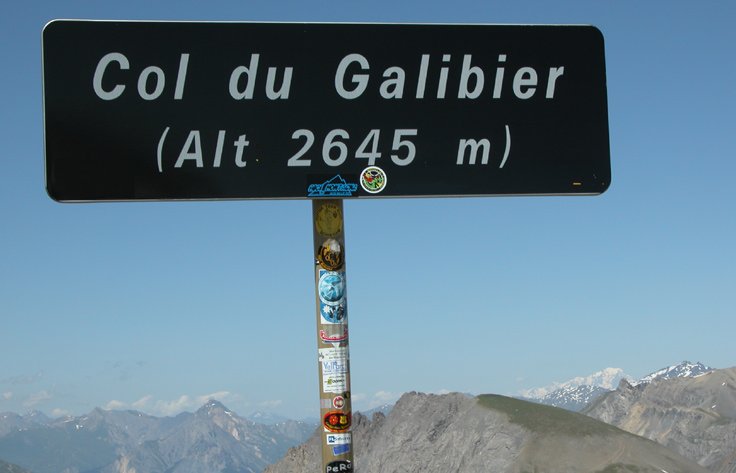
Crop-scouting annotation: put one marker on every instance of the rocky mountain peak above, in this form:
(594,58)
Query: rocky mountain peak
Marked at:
(219,415)
(213,404)
(685,369)
(683,407)
(213,408)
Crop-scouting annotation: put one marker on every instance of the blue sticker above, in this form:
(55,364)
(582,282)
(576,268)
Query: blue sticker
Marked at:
(331,287)
(341,449)
(335,187)
(339,439)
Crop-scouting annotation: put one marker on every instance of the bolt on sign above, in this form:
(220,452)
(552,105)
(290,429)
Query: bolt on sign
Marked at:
(172,110)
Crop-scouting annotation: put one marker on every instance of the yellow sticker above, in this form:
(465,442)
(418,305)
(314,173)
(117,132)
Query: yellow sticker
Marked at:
(329,220)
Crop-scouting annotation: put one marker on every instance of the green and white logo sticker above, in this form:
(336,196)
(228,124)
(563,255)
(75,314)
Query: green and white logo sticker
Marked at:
(373,180)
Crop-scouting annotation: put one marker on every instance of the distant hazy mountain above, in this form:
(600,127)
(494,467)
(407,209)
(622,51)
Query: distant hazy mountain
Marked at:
(457,433)
(384,409)
(695,416)
(577,393)
(10,421)
(10,468)
(213,439)
(266,418)
(572,398)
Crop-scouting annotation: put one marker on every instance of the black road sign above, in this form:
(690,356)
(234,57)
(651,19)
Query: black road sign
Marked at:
(172,110)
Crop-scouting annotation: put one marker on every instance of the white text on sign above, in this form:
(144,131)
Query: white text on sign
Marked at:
(353,77)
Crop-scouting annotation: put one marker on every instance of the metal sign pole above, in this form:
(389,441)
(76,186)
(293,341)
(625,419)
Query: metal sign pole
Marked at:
(332,336)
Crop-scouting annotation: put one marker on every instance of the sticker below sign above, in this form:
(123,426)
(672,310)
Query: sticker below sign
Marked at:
(335,383)
(333,338)
(333,314)
(328,220)
(339,466)
(339,439)
(336,421)
(334,364)
(331,287)
(340,450)
(330,255)
(333,360)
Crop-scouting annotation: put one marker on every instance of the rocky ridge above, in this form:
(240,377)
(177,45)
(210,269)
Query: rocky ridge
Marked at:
(694,416)
(457,433)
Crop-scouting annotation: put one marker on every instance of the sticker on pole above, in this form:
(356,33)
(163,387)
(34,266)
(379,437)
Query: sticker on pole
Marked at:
(334,364)
(336,421)
(331,287)
(339,466)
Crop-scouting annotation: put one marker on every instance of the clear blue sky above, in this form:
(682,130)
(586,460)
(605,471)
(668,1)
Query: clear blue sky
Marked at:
(157,306)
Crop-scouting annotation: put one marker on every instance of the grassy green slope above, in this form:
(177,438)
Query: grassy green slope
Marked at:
(544,419)
(564,441)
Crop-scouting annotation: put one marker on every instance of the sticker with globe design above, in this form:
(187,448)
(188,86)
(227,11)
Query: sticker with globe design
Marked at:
(331,291)
(331,287)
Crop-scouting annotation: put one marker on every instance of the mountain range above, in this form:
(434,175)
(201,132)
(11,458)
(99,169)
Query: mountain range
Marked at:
(688,408)
(212,439)
(577,393)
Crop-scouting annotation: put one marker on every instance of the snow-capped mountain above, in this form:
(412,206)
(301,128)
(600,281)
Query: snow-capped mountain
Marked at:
(576,393)
(572,399)
(685,369)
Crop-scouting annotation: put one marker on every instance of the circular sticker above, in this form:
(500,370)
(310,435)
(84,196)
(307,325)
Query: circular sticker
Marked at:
(338,402)
(328,220)
(373,180)
(330,255)
(331,288)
